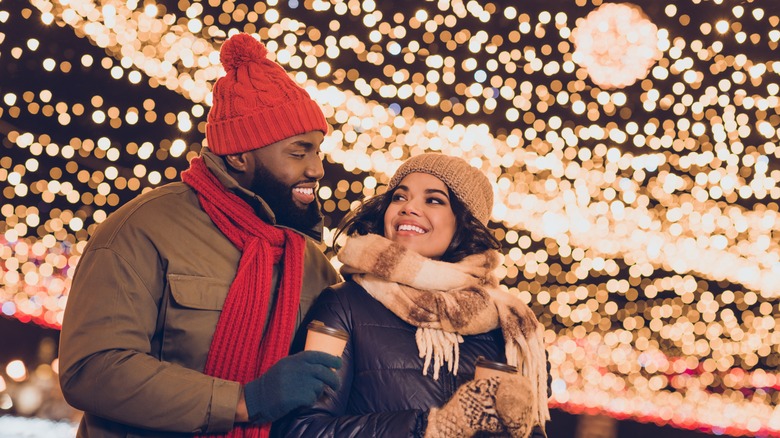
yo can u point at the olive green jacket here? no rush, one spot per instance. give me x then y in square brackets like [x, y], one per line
[143, 307]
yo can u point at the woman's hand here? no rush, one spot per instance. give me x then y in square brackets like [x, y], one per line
[498, 404]
[515, 405]
[471, 409]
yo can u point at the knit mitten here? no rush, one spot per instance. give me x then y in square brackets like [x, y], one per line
[471, 409]
[515, 405]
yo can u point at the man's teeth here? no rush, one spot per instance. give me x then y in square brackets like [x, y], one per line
[411, 228]
[304, 190]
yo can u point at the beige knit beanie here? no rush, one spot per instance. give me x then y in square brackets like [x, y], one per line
[468, 183]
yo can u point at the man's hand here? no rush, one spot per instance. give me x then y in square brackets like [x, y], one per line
[293, 382]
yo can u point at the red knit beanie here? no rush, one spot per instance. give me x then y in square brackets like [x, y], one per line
[256, 103]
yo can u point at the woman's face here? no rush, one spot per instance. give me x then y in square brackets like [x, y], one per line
[420, 215]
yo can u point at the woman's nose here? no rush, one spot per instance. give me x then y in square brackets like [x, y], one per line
[409, 209]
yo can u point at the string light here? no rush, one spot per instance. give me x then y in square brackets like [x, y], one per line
[617, 44]
[636, 182]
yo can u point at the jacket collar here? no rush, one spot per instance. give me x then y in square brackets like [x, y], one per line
[217, 166]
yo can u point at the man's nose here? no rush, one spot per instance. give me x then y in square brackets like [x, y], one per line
[314, 168]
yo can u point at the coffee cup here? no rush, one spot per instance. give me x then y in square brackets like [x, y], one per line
[326, 339]
[487, 368]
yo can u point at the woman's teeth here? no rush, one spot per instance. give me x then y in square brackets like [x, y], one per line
[411, 228]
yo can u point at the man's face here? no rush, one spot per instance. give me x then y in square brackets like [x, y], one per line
[286, 175]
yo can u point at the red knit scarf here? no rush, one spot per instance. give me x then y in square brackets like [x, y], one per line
[240, 351]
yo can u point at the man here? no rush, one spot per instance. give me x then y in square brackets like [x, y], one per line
[184, 303]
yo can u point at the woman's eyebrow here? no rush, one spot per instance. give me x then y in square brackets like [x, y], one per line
[438, 191]
[427, 191]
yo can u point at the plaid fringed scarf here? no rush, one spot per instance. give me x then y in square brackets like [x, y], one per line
[447, 300]
[240, 350]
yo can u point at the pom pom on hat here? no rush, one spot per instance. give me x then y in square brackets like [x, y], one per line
[465, 181]
[240, 50]
[256, 103]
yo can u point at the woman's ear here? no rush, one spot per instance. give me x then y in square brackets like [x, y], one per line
[237, 162]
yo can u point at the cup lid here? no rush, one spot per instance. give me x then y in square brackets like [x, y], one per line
[320, 327]
[499, 366]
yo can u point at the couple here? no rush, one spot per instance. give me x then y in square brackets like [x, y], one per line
[182, 310]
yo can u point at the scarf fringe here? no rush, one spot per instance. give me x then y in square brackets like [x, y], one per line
[534, 366]
[443, 347]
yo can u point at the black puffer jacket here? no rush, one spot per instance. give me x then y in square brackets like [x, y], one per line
[383, 391]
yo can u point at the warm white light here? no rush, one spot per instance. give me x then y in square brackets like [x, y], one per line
[150, 10]
[617, 44]
[16, 370]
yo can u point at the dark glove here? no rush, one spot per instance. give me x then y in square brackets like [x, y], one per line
[294, 381]
[471, 409]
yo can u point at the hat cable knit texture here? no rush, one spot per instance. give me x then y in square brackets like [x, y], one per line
[256, 103]
[468, 183]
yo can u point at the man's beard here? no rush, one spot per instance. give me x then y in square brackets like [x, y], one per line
[278, 196]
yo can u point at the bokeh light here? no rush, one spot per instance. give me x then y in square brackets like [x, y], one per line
[638, 209]
[617, 44]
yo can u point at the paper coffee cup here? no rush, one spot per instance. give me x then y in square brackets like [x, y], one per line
[487, 368]
[326, 339]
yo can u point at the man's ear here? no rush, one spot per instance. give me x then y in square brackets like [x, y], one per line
[237, 162]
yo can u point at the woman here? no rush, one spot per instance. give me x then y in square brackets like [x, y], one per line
[421, 303]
